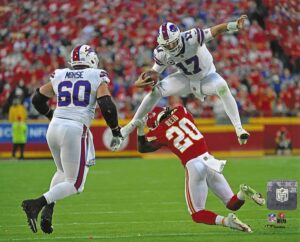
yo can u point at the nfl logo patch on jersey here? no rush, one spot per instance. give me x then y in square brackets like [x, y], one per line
[282, 195]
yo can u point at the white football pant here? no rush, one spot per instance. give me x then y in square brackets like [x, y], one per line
[68, 141]
[178, 84]
[198, 178]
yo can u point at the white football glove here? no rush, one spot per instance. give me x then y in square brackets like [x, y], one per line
[116, 140]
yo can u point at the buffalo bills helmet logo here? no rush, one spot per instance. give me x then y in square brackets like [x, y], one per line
[173, 28]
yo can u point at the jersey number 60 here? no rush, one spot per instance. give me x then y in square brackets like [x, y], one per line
[78, 94]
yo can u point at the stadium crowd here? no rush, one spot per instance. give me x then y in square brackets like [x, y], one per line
[260, 64]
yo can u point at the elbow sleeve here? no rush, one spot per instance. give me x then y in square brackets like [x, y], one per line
[39, 101]
[109, 111]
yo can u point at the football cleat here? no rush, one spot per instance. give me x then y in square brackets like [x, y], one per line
[242, 135]
[46, 219]
[252, 194]
[32, 209]
[233, 222]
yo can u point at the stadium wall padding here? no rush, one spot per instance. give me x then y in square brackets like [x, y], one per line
[221, 139]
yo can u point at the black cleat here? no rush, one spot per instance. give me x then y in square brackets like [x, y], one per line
[46, 219]
[32, 209]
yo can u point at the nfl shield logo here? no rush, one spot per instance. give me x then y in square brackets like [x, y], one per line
[272, 218]
[282, 195]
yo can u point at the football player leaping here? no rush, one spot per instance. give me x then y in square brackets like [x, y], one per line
[68, 136]
[175, 129]
[196, 72]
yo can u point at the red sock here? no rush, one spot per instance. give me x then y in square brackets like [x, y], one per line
[235, 203]
[205, 217]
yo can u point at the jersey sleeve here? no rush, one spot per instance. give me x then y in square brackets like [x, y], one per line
[103, 76]
[154, 136]
[159, 60]
[56, 77]
[194, 36]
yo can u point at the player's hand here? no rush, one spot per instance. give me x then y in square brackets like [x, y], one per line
[117, 139]
[147, 79]
[241, 21]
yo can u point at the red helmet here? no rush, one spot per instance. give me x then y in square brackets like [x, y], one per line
[156, 115]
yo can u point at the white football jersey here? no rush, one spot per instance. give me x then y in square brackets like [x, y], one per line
[76, 92]
[194, 60]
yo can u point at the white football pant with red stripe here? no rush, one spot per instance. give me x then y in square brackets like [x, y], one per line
[198, 178]
[69, 143]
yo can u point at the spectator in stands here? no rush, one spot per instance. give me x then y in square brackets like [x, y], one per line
[283, 142]
[36, 42]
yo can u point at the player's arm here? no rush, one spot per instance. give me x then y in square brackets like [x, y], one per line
[144, 146]
[40, 99]
[224, 27]
[108, 109]
[150, 77]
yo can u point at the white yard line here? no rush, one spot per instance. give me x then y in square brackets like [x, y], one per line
[130, 222]
[158, 235]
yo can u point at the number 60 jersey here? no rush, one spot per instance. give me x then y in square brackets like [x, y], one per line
[179, 133]
[76, 92]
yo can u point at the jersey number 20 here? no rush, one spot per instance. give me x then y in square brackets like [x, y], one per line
[185, 133]
[78, 94]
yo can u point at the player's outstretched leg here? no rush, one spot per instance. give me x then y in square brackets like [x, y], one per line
[149, 101]
[46, 218]
[249, 192]
[233, 222]
[242, 135]
[211, 218]
[32, 209]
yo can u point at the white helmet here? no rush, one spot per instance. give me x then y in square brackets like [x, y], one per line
[84, 55]
[169, 38]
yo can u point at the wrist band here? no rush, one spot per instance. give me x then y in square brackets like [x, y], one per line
[232, 26]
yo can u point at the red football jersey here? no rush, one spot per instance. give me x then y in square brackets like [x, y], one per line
[180, 134]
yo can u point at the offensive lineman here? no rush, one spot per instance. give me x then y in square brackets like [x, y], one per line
[68, 136]
[195, 74]
[175, 129]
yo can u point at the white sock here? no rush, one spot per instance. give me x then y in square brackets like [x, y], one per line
[240, 195]
[220, 220]
[231, 109]
[149, 101]
[60, 191]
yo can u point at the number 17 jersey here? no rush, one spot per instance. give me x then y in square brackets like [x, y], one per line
[179, 133]
[76, 92]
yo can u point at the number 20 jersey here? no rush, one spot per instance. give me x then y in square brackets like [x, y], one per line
[76, 92]
[194, 60]
[179, 133]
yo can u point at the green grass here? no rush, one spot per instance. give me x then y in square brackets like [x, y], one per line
[140, 200]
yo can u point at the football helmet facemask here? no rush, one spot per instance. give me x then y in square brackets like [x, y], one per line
[169, 38]
[84, 55]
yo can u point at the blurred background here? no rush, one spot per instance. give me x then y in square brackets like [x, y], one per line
[261, 65]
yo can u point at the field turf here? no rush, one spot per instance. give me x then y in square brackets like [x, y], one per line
[141, 200]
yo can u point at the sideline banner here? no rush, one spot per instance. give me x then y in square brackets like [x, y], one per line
[36, 133]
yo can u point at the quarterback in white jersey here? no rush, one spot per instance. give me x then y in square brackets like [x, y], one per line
[196, 73]
[68, 136]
